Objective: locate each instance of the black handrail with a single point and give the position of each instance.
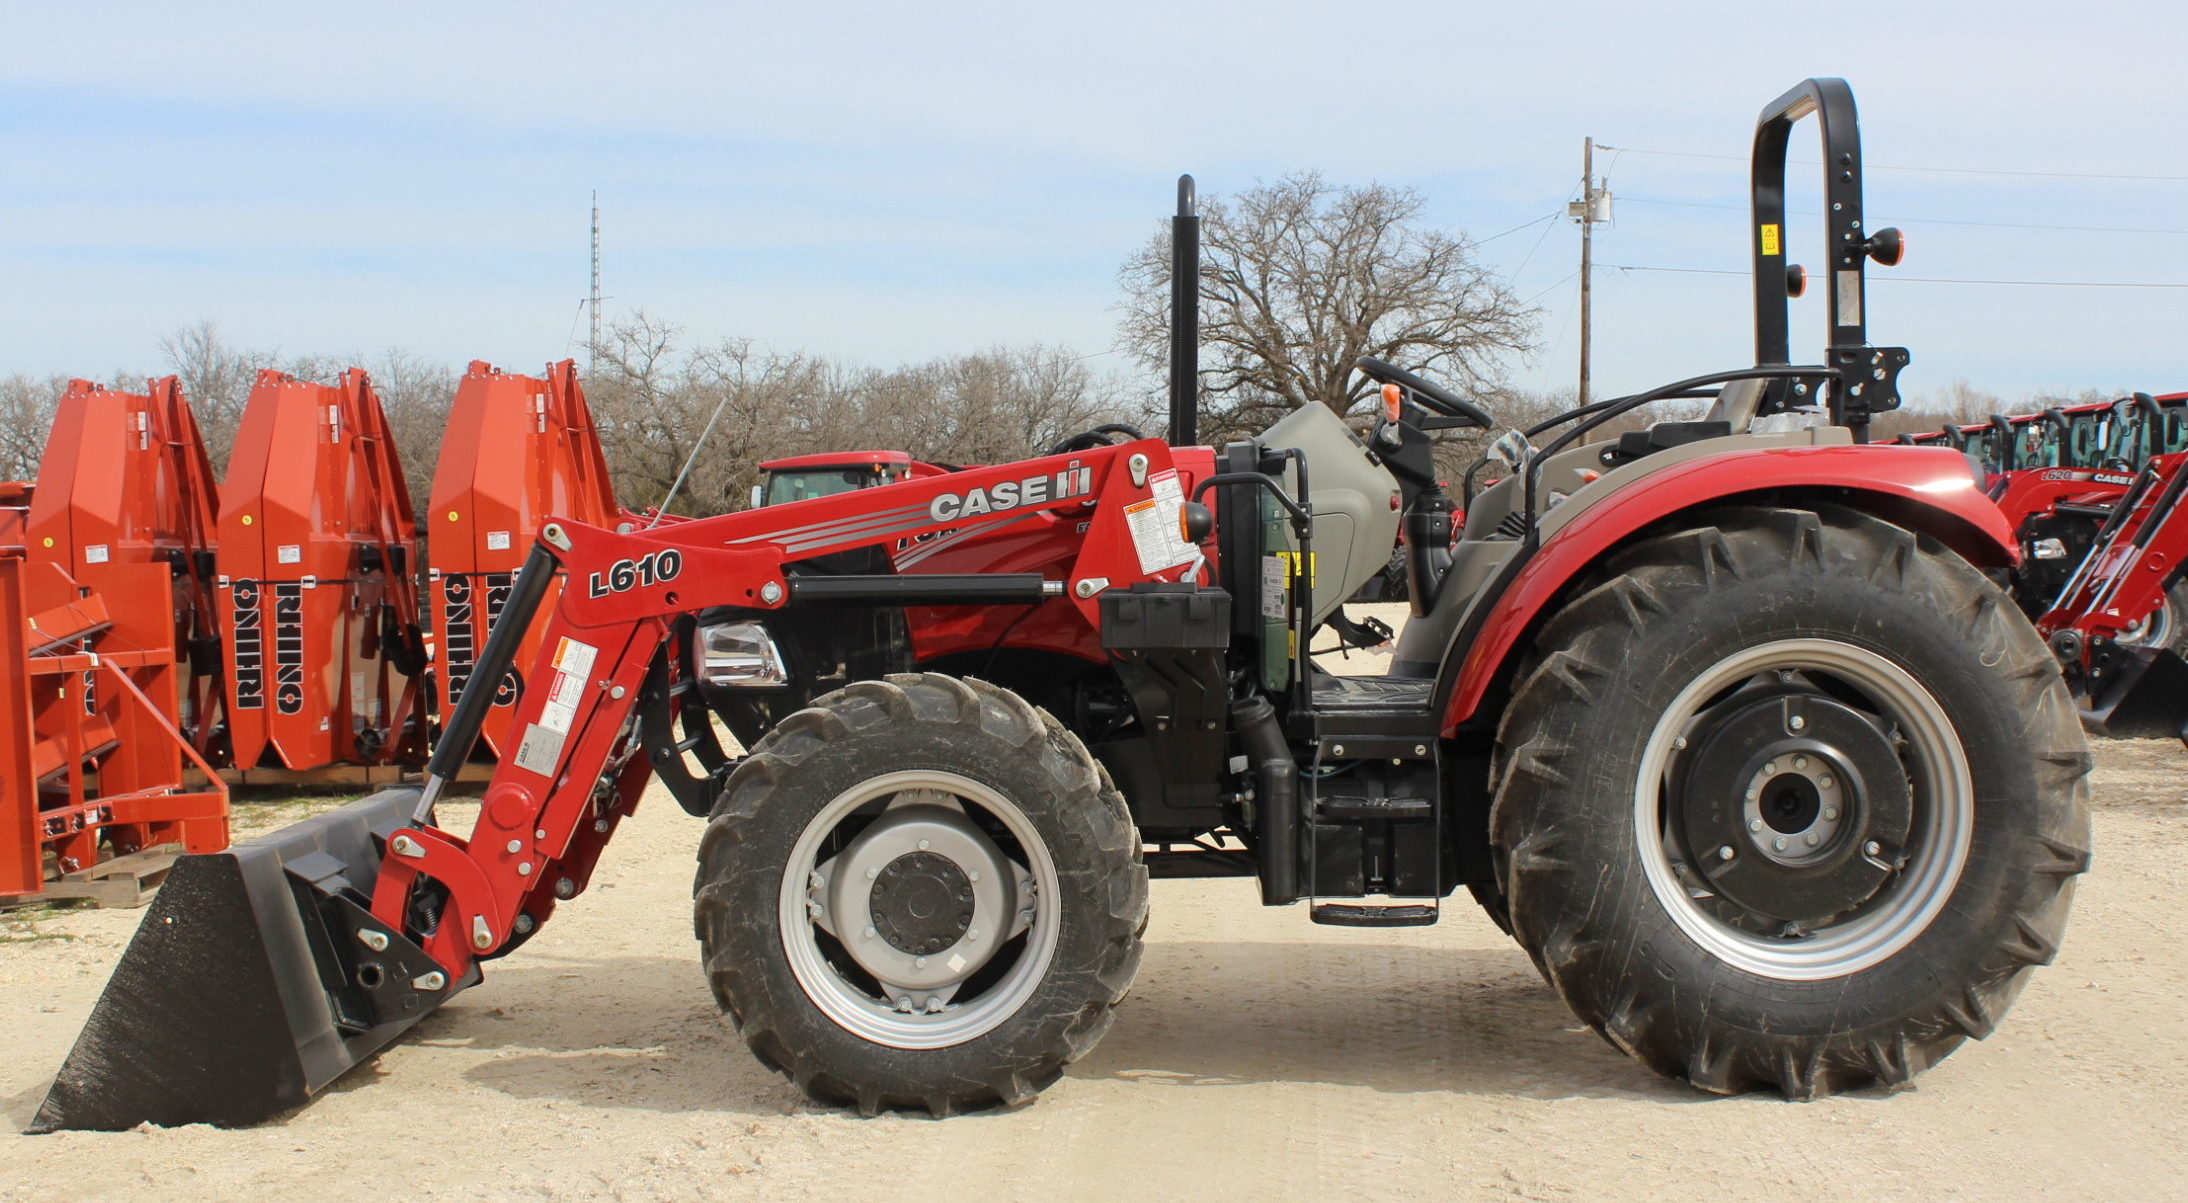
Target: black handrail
(1620, 405)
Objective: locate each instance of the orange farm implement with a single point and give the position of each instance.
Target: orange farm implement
(91, 759)
(518, 448)
(325, 660)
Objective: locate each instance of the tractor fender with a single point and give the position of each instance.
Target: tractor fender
(1931, 490)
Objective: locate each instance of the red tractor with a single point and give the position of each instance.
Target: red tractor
(2125, 608)
(804, 477)
(1728, 729)
(2080, 487)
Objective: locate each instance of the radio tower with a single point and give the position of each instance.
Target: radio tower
(592, 345)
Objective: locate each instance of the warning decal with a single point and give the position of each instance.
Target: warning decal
(573, 666)
(1770, 238)
(539, 751)
(1153, 524)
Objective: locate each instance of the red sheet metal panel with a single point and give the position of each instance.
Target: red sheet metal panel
(317, 601)
(90, 758)
(14, 511)
(124, 480)
(519, 449)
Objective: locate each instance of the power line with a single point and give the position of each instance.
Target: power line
(2041, 175)
(1718, 271)
(1550, 216)
(1553, 288)
(1529, 257)
(1933, 221)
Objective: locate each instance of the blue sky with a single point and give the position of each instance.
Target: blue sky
(885, 182)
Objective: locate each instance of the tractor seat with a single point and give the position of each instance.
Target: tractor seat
(1736, 404)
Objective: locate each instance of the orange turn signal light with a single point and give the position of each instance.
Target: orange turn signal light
(1195, 523)
(1393, 402)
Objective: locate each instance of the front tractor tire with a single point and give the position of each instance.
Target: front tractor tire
(920, 892)
(1793, 801)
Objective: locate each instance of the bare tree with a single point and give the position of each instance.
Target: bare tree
(217, 377)
(415, 393)
(1301, 277)
(653, 400)
(987, 407)
(653, 403)
(26, 416)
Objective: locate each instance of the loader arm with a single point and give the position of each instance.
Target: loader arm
(554, 803)
(292, 957)
(2124, 578)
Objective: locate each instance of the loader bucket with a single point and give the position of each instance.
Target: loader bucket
(253, 981)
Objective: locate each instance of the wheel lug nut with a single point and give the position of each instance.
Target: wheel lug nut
(924, 845)
(1800, 762)
(1770, 767)
(872, 873)
(919, 962)
(1778, 844)
(1825, 783)
(869, 933)
(1754, 824)
(1812, 839)
(973, 874)
(1830, 813)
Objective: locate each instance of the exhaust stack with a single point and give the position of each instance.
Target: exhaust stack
(1185, 318)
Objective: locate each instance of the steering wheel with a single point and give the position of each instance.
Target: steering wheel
(1434, 396)
(1101, 436)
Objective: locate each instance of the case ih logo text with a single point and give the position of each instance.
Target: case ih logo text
(248, 644)
(289, 647)
(1013, 494)
(2103, 478)
(657, 568)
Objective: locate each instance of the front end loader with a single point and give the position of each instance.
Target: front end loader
(1720, 719)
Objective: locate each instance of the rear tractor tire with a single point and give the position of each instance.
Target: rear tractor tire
(1791, 801)
(920, 892)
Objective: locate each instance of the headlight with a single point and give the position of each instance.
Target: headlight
(2048, 549)
(740, 655)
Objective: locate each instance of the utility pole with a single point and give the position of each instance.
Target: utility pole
(592, 345)
(1594, 206)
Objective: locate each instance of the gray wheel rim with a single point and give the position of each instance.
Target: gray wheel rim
(1944, 817)
(937, 1019)
(2155, 629)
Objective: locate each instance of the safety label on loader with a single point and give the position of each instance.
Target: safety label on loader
(539, 750)
(573, 667)
(1154, 525)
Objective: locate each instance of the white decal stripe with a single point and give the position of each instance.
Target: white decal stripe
(946, 542)
(855, 520)
(863, 536)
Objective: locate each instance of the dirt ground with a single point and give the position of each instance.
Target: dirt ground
(1258, 1056)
